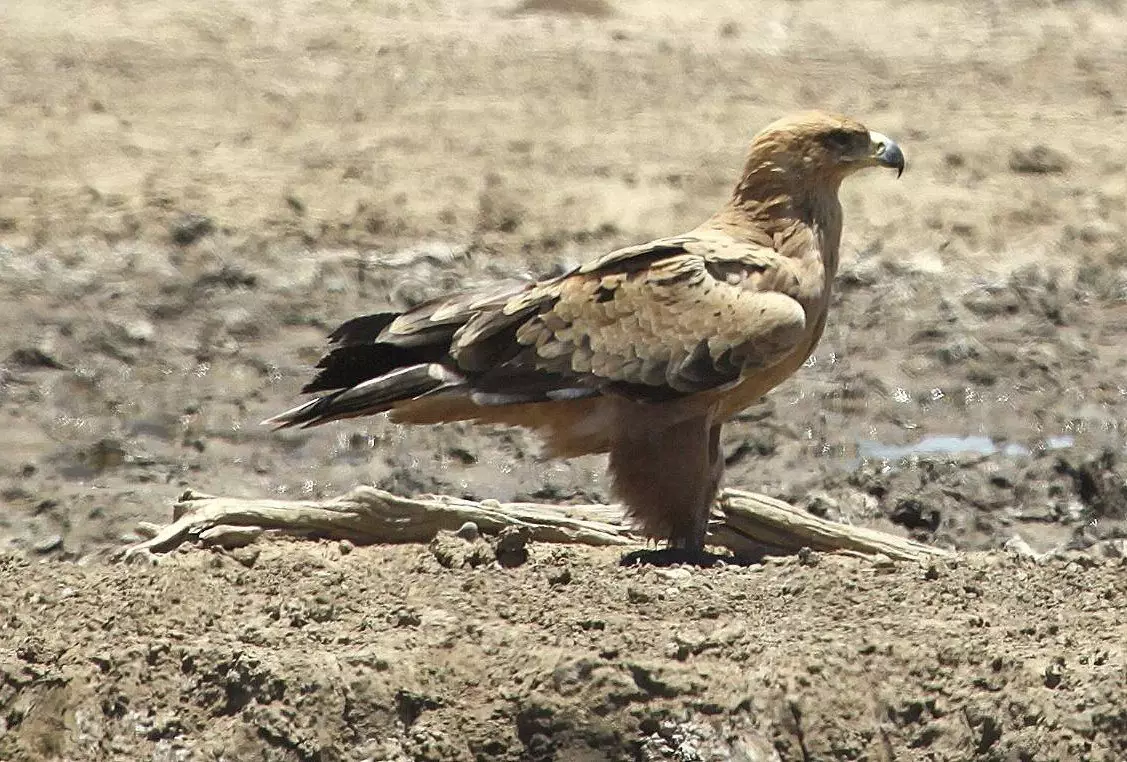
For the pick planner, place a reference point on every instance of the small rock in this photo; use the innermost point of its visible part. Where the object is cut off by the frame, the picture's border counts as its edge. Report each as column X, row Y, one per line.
column 954, row 160
column 345, row 547
column 562, row 577
column 512, row 547
column 592, row 8
column 140, row 331
column 823, row 506
column 1037, row 160
column 406, row 617
column 452, row 552
column 1097, row 231
column 241, row 323
column 1111, row 548
column 1054, row 673
column 411, row 705
column 468, row 531
column 247, row 556
column 726, row 635
column 140, row 557
column 296, row 205
column 31, row 357
column 34, row 651
column 636, row 595
column 659, row 681
column 449, row 550
column 147, row 530
column 688, row 643
column 1018, row 546
column 189, row 228
column 48, row 544
column 437, row 253
column 881, row 561
column 912, row 513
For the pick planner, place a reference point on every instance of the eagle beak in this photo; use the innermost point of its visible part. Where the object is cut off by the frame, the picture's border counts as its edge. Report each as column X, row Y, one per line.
column 886, row 153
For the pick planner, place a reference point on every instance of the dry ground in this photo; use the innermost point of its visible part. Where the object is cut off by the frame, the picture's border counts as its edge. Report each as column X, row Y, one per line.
column 191, row 195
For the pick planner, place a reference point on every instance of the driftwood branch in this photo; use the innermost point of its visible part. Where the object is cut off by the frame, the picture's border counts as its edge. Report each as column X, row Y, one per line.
column 753, row 521
column 368, row 515
column 748, row 524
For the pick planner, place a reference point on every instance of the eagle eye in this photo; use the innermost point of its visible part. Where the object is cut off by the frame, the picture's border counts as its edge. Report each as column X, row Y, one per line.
column 838, row 139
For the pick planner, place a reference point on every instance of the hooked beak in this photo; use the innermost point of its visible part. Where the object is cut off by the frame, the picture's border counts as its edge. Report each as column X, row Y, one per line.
column 886, row 153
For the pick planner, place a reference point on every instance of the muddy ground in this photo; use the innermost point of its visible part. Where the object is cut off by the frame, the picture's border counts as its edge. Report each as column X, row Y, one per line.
column 192, row 195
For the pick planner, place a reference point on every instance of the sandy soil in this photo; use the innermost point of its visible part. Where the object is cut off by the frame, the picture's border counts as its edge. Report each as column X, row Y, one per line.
column 192, row 195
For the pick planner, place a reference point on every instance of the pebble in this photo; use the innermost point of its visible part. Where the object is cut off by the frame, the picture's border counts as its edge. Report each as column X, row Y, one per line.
column 881, row 561
column 468, row 531
column 1020, row 547
column 48, row 544
column 189, row 228
column 140, row 331
column 512, row 547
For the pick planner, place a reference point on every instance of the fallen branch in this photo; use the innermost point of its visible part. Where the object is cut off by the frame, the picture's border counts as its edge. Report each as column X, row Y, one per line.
column 368, row 515
column 757, row 524
column 748, row 524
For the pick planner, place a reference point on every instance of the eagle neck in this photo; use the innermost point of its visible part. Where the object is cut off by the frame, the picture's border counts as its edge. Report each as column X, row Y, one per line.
column 769, row 203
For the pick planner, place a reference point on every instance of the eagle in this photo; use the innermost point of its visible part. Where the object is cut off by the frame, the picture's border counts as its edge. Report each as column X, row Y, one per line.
column 642, row 353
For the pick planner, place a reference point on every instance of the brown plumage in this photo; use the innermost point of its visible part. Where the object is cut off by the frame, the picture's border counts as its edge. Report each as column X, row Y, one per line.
column 642, row 353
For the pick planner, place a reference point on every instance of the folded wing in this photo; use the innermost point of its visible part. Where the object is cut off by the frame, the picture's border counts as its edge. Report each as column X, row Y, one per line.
column 668, row 319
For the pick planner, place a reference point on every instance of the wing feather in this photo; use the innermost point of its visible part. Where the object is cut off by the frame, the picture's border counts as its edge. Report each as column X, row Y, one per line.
column 674, row 317
column 669, row 319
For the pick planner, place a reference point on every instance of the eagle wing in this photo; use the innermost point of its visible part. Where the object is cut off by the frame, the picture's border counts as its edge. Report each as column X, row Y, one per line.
column 671, row 318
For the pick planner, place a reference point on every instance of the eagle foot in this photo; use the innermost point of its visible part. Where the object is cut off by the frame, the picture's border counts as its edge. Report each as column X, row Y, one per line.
column 673, row 556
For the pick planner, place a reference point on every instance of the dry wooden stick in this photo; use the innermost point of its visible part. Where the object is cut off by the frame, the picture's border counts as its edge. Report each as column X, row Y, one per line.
column 369, row 515
column 754, row 522
column 749, row 524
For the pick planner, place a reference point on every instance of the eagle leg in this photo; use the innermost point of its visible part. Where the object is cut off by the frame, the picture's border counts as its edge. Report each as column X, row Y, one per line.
column 668, row 480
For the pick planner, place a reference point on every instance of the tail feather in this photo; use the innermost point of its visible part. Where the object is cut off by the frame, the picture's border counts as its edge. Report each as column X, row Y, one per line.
column 370, row 346
column 348, row 366
column 362, row 330
column 359, row 354
column 455, row 357
column 372, row 396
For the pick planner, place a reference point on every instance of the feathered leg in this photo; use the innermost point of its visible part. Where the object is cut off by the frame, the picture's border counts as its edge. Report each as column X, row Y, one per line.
column 668, row 481
column 702, row 510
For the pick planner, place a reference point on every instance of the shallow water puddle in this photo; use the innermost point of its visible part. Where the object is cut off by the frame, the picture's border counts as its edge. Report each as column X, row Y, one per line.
column 942, row 444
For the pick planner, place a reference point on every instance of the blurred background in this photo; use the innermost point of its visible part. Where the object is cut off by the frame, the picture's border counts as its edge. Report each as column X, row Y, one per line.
column 193, row 195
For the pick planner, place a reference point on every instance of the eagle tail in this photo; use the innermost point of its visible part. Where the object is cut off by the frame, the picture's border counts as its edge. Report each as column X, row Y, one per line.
column 389, row 360
column 370, row 396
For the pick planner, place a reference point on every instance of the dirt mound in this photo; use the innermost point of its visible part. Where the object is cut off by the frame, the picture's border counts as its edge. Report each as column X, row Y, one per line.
column 323, row 652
